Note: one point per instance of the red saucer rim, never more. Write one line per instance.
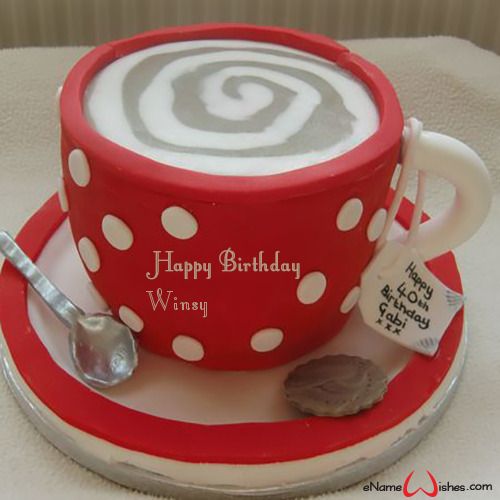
(243, 443)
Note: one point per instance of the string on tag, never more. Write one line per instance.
(417, 211)
(400, 297)
(411, 135)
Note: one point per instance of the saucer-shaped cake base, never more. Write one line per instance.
(176, 429)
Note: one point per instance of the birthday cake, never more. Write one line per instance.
(226, 191)
(225, 194)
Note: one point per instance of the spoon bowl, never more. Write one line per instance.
(103, 350)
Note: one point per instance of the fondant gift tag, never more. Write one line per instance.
(403, 300)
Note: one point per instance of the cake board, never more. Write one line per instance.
(160, 432)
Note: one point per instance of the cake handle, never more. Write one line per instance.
(456, 162)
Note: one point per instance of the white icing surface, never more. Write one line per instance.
(311, 287)
(377, 224)
(79, 167)
(174, 142)
(350, 300)
(188, 348)
(61, 194)
(131, 319)
(100, 303)
(89, 254)
(116, 232)
(179, 223)
(350, 214)
(171, 388)
(267, 339)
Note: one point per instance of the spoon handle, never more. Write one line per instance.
(62, 307)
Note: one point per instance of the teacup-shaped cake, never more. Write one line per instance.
(226, 186)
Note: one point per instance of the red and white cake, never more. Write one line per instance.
(223, 189)
(285, 221)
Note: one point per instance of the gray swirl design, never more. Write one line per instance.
(201, 105)
(190, 110)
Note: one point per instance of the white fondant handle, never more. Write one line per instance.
(458, 163)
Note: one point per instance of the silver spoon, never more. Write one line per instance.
(103, 350)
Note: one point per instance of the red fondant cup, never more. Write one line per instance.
(278, 252)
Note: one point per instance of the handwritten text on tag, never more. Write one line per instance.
(403, 300)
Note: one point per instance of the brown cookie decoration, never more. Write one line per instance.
(335, 385)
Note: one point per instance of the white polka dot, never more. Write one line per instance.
(130, 318)
(376, 225)
(267, 339)
(79, 167)
(116, 232)
(89, 255)
(61, 193)
(350, 300)
(350, 214)
(179, 223)
(311, 287)
(187, 348)
(97, 297)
